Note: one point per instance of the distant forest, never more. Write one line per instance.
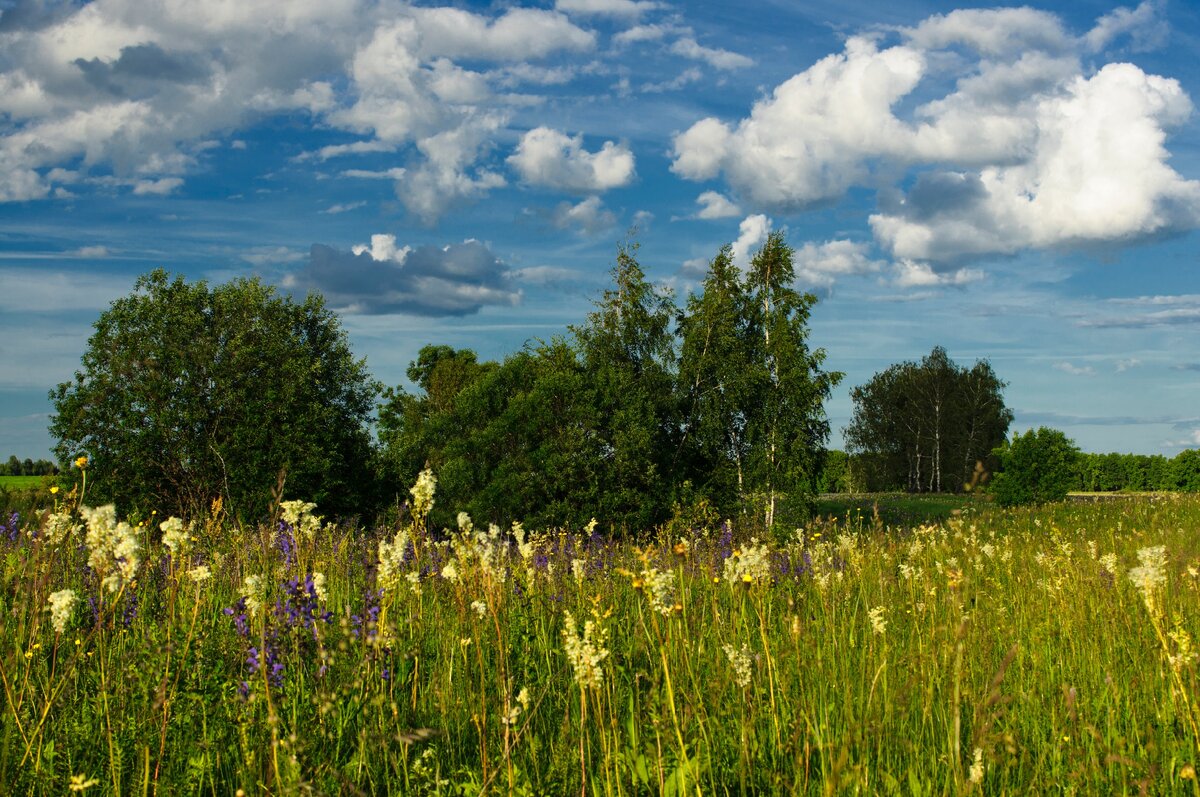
(27, 467)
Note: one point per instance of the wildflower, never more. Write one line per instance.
(199, 574)
(174, 536)
(1185, 652)
(113, 550)
(252, 594)
(1109, 562)
(659, 586)
(523, 697)
(750, 565)
(578, 569)
(1151, 574)
(54, 490)
(60, 526)
(479, 607)
(81, 462)
(450, 572)
(82, 782)
(62, 603)
(318, 585)
(878, 621)
(464, 522)
(391, 557)
(975, 775)
(422, 493)
(586, 651)
(298, 514)
(741, 662)
(414, 582)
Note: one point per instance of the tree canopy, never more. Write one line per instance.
(189, 393)
(925, 426)
(1035, 468)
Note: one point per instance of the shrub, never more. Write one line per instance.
(1035, 468)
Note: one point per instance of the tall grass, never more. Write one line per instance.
(995, 652)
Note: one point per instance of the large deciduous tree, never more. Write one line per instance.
(925, 426)
(189, 393)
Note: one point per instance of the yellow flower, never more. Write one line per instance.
(81, 462)
(54, 489)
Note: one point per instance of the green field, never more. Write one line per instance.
(23, 482)
(1005, 652)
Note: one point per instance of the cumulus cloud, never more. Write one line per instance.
(548, 158)
(587, 217)
(716, 58)
(1028, 149)
(1144, 25)
(385, 278)
(915, 274)
(752, 233)
(822, 264)
(714, 205)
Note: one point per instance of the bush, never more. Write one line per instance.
(1035, 468)
(189, 394)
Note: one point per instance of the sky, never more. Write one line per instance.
(1020, 184)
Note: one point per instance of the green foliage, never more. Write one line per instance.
(631, 417)
(1035, 468)
(925, 426)
(188, 394)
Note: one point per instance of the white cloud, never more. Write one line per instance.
(609, 8)
(160, 187)
(1124, 365)
(1144, 24)
(822, 264)
(642, 33)
(343, 207)
(1075, 370)
(587, 217)
(545, 157)
(914, 274)
(395, 173)
(688, 47)
(714, 205)
(752, 233)
(353, 148)
(1026, 150)
(89, 252)
(520, 34)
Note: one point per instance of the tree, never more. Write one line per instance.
(1035, 468)
(788, 431)
(925, 426)
(189, 394)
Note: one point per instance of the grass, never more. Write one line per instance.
(898, 509)
(23, 482)
(991, 652)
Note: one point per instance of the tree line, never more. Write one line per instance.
(27, 467)
(190, 396)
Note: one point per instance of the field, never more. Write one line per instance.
(1028, 651)
(23, 482)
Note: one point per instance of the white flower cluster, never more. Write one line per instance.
(585, 651)
(252, 591)
(199, 574)
(318, 581)
(61, 604)
(113, 550)
(660, 588)
(175, 536)
(299, 515)
(60, 526)
(741, 660)
(391, 558)
(1150, 576)
(878, 620)
(422, 493)
(750, 565)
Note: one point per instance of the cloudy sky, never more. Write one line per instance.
(1017, 184)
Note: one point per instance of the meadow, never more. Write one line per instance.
(987, 651)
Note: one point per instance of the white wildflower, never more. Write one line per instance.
(450, 572)
(60, 526)
(113, 550)
(175, 536)
(61, 604)
(1151, 575)
(1109, 562)
(253, 593)
(414, 582)
(751, 565)
(741, 660)
(878, 620)
(659, 586)
(578, 569)
(976, 772)
(422, 493)
(586, 651)
(391, 558)
(199, 574)
(464, 522)
(479, 607)
(318, 582)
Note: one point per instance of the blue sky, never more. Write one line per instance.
(1019, 184)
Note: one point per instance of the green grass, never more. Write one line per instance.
(898, 509)
(854, 657)
(23, 482)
